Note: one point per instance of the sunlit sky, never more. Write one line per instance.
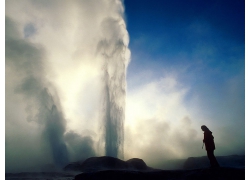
(186, 69)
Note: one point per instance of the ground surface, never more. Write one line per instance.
(196, 174)
(41, 176)
(95, 168)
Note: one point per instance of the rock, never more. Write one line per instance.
(104, 162)
(75, 166)
(137, 164)
(107, 163)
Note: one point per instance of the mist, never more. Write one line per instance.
(58, 54)
(164, 119)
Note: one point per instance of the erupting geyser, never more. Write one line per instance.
(56, 53)
(115, 53)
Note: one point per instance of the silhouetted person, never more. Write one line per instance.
(210, 146)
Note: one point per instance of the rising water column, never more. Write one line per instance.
(115, 54)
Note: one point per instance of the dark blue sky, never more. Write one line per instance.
(175, 33)
(170, 22)
(177, 26)
(202, 42)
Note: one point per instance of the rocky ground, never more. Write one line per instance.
(194, 168)
(197, 174)
(41, 176)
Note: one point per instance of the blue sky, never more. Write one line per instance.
(184, 32)
(206, 40)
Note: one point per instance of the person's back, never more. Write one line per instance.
(210, 146)
(209, 140)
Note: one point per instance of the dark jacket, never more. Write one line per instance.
(209, 140)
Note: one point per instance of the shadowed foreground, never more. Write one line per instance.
(40, 176)
(98, 168)
(197, 174)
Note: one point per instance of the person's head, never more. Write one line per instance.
(204, 128)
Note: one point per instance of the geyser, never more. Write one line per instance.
(42, 106)
(56, 53)
(115, 53)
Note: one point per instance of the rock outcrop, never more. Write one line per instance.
(107, 163)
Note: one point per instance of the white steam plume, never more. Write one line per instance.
(62, 57)
(28, 63)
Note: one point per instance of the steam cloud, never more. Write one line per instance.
(41, 105)
(58, 54)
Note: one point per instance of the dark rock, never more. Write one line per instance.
(235, 161)
(137, 164)
(106, 163)
(75, 166)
